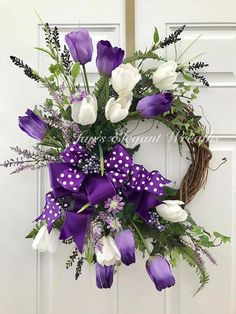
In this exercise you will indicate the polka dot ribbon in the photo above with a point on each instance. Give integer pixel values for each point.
(70, 176)
(68, 179)
(52, 210)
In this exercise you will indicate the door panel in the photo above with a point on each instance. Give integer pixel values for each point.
(39, 284)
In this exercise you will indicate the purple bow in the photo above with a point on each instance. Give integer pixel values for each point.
(72, 178)
(78, 178)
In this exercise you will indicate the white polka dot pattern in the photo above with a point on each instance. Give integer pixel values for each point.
(71, 179)
(74, 154)
(117, 164)
(51, 211)
(143, 180)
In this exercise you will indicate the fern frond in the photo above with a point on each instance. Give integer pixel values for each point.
(139, 55)
(189, 255)
(100, 89)
(35, 231)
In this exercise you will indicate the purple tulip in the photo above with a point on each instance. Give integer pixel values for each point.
(104, 276)
(33, 125)
(154, 105)
(108, 57)
(126, 245)
(80, 45)
(159, 270)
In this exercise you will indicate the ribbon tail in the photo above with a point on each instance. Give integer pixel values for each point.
(75, 226)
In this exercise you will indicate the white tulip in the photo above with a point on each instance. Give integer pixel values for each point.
(45, 241)
(84, 112)
(172, 211)
(165, 76)
(109, 253)
(118, 109)
(124, 78)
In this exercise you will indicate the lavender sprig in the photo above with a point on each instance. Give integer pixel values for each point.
(209, 256)
(28, 159)
(24, 167)
(27, 70)
(172, 38)
(70, 129)
(96, 234)
(66, 61)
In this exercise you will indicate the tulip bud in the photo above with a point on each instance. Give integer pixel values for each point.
(159, 271)
(84, 112)
(126, 245)
(80, 46)
(124, 78)
(108, 57)
(104, 276)
(109, 253)
(172, 211)
(165, 76)
(45, 241)
(33, 125)
(118, 109)
(154, 105)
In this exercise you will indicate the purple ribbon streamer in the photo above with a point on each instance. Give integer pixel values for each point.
(75, 226)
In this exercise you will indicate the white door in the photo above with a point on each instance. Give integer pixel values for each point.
(39, 284)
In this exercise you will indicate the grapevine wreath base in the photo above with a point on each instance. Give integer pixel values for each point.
(101, 202)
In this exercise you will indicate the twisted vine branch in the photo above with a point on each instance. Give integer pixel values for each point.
(200, 155)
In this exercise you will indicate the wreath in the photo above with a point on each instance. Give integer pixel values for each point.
(101, 203)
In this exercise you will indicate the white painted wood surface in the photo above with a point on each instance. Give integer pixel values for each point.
(33, 284)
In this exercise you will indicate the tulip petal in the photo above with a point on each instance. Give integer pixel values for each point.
(159, 271)
(126, 245)
(104, 276)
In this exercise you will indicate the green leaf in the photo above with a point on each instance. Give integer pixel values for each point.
(48, 103)
(75, 69)
(45, 50)
(222, 237)
(170, 191)
(67, 113)
(55, 69)
(205, 241)
(198, 230)
(188, 77)
(156, 36)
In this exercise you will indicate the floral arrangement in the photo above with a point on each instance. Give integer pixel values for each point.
(101, 202)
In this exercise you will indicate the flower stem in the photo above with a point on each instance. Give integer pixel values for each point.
(86, 78)
(107, 90)
(141, 237)
(101, 159)
(84, 207)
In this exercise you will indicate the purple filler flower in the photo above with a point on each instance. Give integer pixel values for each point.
(126, 245)
(33, 125)
(108, 57)
(159, 271)
(114, 204)
(154, 105)
(79, 95)
(80, 45)
(104, 276)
